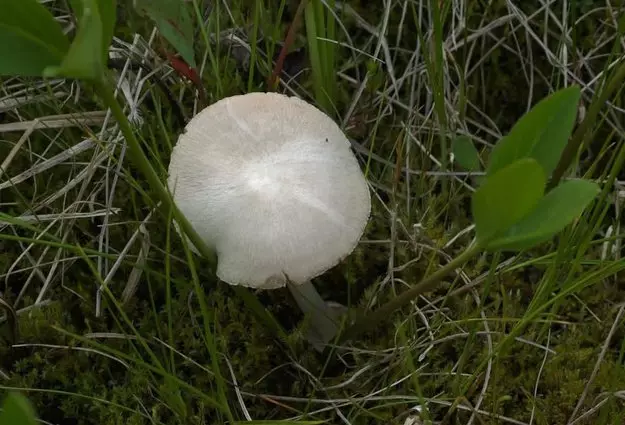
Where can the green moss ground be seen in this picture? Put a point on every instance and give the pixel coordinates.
(440, 354)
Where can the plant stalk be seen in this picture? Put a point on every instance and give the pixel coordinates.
(581, 135)
(370, 320)
(167, 202)
(143, 164)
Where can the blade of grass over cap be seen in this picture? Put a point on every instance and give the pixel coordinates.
(506, 197)
(143, 163)
(30, 38)
(542, 133)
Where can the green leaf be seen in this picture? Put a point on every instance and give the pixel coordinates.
(506, 197)
(541, 134)
(30, 38)
(17, 410)
(552, 214)
(174, 22)
(108, 14)
(83, 61)
(465, 153)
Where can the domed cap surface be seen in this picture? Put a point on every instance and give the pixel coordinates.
(271, 184)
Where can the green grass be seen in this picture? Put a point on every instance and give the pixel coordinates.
(532, 338)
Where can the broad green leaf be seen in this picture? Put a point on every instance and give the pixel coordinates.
(83, 61)
(17, 410)
(30, 38)
(506, 197)
(174, 22)
(465, 153)
(108, 14)
(541, 134)
(552, 214)
(76, 8)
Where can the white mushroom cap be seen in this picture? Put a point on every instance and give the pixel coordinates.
(270, 183)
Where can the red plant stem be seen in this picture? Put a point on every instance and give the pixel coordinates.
(183, 69)
(288, 42)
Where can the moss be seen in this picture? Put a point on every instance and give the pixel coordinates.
(264, 365)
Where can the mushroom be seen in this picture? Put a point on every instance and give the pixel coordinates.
(270, 183)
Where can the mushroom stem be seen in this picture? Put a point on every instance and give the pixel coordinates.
(323, 320)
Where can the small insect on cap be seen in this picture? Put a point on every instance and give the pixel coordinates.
(269, 182)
